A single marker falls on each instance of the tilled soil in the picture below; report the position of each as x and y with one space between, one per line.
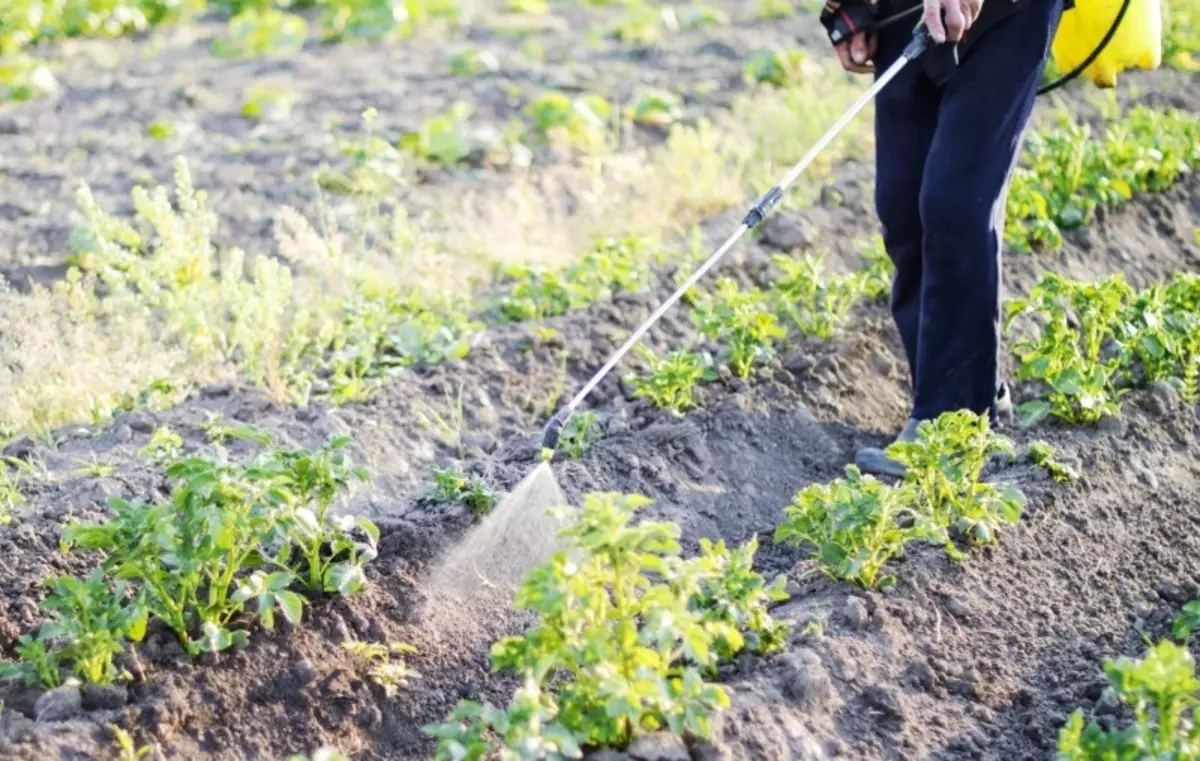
982 659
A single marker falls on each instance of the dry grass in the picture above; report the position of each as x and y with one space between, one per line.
176 307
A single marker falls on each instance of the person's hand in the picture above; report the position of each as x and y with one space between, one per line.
856 54
959 15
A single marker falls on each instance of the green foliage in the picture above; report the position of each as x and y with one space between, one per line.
265 103
471 61
1067 354
1067 173
127 749
815 305
670 382
91 621
1187 621
1181 34
387 666
738 597
579 122
612 266
945 464
658 108
1042 455
580 432
324 753
164 445
855 525
625 630
742 322
781 68
1161 689
445 139
12 470
1095 341
260 32
23 78
450 486
233 535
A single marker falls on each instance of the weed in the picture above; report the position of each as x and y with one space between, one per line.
387 667
742 322
855 525
670 382
94 468
1042 455
623 590
1161 690
471 61
613 265
945 464
12 470
580 432
1181 34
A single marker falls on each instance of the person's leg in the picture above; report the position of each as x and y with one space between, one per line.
905 122
985 109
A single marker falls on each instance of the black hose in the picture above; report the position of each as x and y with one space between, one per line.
1112 30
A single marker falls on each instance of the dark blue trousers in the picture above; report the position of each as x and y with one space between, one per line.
944 158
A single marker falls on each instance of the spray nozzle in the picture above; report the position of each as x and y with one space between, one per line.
553 432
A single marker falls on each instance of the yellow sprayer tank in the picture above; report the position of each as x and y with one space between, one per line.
1137 42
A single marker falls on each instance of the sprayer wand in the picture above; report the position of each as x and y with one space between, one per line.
920 43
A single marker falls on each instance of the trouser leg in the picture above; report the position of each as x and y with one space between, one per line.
905 122
982 116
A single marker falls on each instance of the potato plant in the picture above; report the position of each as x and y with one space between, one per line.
386 664
742 322
945 465
626 628
1042 455
451 487
1161 690
813 304
613 265
580 432
1068 173
1067 354
234 537
854 525
670 382
1096 341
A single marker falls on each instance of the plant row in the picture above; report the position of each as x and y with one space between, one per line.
236 543
1086 344
855 525
1160 692
1068 172
627 639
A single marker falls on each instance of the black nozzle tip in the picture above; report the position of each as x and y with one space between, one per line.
553 432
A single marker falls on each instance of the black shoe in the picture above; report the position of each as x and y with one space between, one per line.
1005 411
875 460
